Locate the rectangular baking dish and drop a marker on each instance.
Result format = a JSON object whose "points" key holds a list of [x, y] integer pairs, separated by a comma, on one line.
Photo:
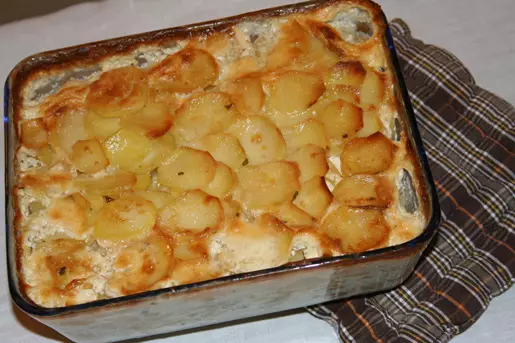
{"points": [[232, 297]]}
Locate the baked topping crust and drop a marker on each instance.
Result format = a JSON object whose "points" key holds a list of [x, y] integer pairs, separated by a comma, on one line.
{"points": [[267, 142]]}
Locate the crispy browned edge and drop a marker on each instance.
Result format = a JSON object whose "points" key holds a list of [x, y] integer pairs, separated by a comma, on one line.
{"points": [[90, 53]]}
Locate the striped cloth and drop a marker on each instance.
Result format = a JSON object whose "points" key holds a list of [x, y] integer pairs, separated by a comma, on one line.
{"points": [[469, 138]]}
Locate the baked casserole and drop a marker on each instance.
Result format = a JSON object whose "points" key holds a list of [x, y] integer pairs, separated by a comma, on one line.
{"points": [[265, 142]]}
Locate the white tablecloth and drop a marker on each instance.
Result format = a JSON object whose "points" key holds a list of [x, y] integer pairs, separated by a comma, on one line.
{"points": [[483, 37]]}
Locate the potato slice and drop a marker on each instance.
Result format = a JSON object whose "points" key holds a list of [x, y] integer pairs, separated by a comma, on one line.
{"points": [[346, 93], [187, 169], [159, 198], [268, 184], [243, 247], [292, 92], [372, 91], [371, 125], [125, 218], [363, 191], [298, 49], [293, 216], [153, 120], [260, 138], [34, 134], [310, 131], [203, 114], [60, 262], [226, 149], [88, 156], [341, 119], [185, 71], [231, 208], [311, 160], [314, 197], [368, 155], [349, 73], [71, 213], [142, 182], [223, 182], [100, 127], [118, 92], [68, 129], [247, 94], [111, 185], [128, 150], [193, 211], [188, 246], [357, 229], [141, 265]]}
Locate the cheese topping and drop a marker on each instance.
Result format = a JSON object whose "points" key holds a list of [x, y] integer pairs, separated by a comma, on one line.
{"points": [[271, 142]]}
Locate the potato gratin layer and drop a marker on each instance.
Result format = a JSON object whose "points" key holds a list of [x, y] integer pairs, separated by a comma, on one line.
{"points": [[271, 141]]}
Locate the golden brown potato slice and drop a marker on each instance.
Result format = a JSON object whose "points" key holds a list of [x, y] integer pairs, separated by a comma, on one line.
{"points": [[293, 216], [68, 129], [118, 92], [371, 125], [188, 246], [311, 160], [141, 265], [357, 229], [372, 91], [153, 120], [88, 156], [128, 149], [231, 207], [268, 184], [111, 185], [61, 262], [363, 191], [368, 155], [185, 71], [71, 213], [242, 67], [125, 218], [260, 138], [34, 134], [94, 203], [159, 198], [341, 119], [100, 127], [349, 73], [226, 149], [193, 211], [310, 131], [292, 92], [187, 169], [314, 197], [247, 94], [243, 247], [203, 114], [346, 93], [298, 49], [223, 182], [143, 181]]}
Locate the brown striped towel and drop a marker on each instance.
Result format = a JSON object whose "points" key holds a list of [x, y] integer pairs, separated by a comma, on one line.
{"points": [[469, 138]]}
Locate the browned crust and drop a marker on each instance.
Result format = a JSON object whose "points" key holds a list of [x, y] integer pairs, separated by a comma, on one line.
{"points": [[90, 53]]}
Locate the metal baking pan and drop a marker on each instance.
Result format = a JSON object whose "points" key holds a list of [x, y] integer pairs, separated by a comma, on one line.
{"points": [[232, 297]]}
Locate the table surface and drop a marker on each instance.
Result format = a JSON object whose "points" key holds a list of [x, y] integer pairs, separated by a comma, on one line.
{"points": [[480, 33]]}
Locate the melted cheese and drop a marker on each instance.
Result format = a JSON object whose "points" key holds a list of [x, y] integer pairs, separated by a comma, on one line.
{"points": [[222, 154]]}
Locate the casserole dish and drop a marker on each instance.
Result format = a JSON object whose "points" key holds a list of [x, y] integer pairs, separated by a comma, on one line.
{"points": [[227, 297]]}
